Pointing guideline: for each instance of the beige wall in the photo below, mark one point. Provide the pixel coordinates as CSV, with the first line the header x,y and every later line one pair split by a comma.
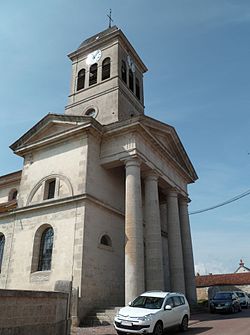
x,y
103,266
20,230
67,159
107,185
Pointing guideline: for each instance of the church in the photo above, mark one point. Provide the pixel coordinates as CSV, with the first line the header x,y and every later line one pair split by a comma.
x,y
102,198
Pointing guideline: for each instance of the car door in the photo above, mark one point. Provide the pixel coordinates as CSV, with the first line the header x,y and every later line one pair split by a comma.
x,y
169,317
179,308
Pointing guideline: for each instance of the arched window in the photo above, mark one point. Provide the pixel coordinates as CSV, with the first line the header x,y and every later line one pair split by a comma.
x,y
137,88
106,68
80,79
124,72
131,80
12,194
93,74
106,240
2,242
46,246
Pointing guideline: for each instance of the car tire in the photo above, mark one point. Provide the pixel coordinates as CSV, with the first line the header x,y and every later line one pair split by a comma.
x,y
158,329
184,324
119,332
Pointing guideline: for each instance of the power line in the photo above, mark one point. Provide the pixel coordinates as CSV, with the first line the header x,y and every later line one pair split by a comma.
x,y
237,197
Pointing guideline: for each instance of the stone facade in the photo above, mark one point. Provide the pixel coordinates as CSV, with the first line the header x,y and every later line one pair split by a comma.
x,y
31,312
119,202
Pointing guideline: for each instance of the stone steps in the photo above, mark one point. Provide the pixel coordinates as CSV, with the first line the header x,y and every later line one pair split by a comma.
x,y
101,317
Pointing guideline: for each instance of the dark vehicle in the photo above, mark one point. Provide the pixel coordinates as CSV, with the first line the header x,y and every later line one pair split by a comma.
x,y
225,302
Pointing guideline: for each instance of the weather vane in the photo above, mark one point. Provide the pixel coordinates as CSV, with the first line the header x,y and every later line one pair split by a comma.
x,y
110,18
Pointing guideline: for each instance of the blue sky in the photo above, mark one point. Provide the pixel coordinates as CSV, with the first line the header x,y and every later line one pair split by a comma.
x,y
197,53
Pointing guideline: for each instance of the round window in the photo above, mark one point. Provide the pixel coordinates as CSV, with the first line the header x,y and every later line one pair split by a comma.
x,y
91,112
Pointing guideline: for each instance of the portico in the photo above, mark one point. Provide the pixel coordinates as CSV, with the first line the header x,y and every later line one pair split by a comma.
x,y
143,247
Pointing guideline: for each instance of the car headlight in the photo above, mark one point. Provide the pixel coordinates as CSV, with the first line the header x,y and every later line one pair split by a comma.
x,y
147,317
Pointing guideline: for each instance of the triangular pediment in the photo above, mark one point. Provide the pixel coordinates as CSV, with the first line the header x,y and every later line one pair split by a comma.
x,y
50,126
169,141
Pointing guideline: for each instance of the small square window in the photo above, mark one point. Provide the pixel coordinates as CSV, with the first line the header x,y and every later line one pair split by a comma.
x,y
49,190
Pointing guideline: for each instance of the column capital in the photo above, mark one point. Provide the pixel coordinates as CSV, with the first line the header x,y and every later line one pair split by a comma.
x,y
184,201
173,192
133,161
150,175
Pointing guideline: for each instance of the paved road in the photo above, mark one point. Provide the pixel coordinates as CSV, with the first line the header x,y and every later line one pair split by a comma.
x,y
204,324
225,324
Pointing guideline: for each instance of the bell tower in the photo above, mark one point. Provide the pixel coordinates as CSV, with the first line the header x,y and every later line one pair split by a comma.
x,y
107,78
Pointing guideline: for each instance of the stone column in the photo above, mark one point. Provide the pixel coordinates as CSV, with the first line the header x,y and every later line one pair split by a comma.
x,y
153,239
187,252
165,258
177,280
134,246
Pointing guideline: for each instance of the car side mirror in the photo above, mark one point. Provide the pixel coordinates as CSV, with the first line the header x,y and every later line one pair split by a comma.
x,y
168,308
129,303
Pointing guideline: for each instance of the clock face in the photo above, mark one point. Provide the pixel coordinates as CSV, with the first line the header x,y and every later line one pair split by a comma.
x,y
93,57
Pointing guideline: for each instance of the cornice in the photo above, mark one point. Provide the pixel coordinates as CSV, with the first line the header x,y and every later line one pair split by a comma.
x,y
60,202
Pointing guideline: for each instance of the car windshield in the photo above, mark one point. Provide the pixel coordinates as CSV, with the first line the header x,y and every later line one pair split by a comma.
x,y
223,296
240,294
147,302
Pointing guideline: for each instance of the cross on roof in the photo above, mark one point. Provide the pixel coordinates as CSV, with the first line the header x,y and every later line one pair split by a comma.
x,y
110,18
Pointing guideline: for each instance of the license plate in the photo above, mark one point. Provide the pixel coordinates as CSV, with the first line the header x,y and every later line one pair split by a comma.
x,y
126,323
219,307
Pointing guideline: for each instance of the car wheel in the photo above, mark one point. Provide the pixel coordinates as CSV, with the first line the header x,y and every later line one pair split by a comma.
x,y
119,332
158,329
184,324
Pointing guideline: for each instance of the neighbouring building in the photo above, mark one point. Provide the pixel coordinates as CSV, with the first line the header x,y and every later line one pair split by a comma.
x,y
102,198
242,268
207,285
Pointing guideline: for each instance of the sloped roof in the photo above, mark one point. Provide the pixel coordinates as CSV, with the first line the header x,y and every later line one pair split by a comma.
x,y
66,122
223,279
242,268
10,177
97,36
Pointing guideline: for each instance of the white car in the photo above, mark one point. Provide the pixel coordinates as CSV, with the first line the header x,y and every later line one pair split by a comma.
x,y
244,299
152,312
